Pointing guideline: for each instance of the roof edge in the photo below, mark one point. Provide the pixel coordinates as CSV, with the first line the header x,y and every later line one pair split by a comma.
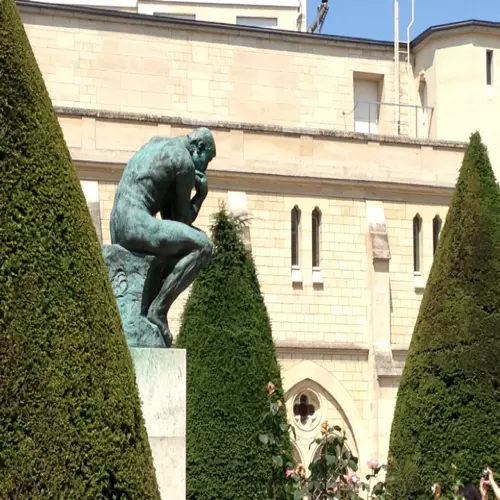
x,y
166,21
439,28
266,32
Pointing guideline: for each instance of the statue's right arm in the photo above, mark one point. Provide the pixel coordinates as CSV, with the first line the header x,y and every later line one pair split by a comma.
x,y
185,178
201,187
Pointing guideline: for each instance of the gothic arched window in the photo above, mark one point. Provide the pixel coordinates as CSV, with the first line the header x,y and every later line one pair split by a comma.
x,y
316,237
417,244
295,236
436,231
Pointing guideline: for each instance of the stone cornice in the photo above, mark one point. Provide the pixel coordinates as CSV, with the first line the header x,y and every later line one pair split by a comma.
x,y
257,128
343,188
400,348
344,347
331,347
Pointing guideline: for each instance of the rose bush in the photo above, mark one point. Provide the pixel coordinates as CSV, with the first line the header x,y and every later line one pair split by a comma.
x,y
334,475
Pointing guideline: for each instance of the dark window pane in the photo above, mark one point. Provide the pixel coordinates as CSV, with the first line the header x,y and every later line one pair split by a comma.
x,y
417,226
436,230
315,238
489,67
295,237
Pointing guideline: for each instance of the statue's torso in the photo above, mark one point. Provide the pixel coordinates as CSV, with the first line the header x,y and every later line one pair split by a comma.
x,y
149,180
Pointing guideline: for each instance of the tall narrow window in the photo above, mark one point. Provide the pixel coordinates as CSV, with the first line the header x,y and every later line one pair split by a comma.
x,y
417,243
436,230
295,235
316,234
489,67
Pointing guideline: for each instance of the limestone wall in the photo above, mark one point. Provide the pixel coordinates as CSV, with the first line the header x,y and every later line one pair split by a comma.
x,y
341,342
158,66
453,65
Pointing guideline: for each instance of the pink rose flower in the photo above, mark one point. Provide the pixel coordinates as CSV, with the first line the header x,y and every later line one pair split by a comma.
x,y
289,473
353,479
373,464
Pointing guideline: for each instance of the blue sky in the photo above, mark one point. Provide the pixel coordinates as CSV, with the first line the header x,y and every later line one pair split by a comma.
x,y
375,18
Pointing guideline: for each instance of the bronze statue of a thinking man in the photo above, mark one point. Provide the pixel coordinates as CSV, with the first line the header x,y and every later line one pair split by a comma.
x,y
160,178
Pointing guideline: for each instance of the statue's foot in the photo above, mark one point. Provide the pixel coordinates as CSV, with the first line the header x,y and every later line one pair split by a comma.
x,y
162,325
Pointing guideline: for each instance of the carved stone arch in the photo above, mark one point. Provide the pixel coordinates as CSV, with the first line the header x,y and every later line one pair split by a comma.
x,y
297,455
332,386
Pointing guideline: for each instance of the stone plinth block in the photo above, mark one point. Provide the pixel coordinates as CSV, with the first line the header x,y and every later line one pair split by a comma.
x,y
161,379
128,272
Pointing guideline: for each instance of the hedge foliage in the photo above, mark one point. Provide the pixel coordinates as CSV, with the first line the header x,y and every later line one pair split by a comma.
x,y
70,420
231,358
449,397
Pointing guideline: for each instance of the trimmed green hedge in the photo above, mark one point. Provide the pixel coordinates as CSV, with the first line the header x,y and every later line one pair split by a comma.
x,y
70,420
231,358
449,398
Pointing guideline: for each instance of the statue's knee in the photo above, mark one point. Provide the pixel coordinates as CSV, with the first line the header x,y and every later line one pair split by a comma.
x,y
207,251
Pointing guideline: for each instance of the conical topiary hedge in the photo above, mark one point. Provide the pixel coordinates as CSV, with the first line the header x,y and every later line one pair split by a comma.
x,y
231,358
449,397
70,420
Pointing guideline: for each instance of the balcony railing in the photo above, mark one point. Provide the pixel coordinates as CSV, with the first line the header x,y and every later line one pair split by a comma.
x,y
385,118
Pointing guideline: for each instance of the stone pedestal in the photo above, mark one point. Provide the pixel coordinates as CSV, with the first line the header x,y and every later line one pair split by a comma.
x,y
161,378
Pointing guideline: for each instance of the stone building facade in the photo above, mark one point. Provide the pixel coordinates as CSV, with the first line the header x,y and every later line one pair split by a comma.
x,y
344,166
271,14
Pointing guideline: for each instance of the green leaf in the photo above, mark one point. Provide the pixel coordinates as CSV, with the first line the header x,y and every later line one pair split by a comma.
x,y
352,465
264,438
278,461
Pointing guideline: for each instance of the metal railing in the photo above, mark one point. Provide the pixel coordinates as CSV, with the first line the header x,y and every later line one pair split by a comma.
x,y
377,117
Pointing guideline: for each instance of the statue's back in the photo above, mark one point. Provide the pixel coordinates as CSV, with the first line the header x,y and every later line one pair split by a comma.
x,y
145,180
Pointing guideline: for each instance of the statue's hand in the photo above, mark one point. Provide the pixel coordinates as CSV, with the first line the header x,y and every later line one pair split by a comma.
x,y
201,183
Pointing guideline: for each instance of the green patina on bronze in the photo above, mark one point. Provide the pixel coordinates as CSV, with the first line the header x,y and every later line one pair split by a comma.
x,y
152,261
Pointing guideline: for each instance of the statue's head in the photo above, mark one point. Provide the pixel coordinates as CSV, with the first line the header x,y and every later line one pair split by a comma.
x,y
201,146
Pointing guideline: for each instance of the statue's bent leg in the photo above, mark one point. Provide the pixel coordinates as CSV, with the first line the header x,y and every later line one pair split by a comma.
x,y
162,266
181,252
159,269
182,275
